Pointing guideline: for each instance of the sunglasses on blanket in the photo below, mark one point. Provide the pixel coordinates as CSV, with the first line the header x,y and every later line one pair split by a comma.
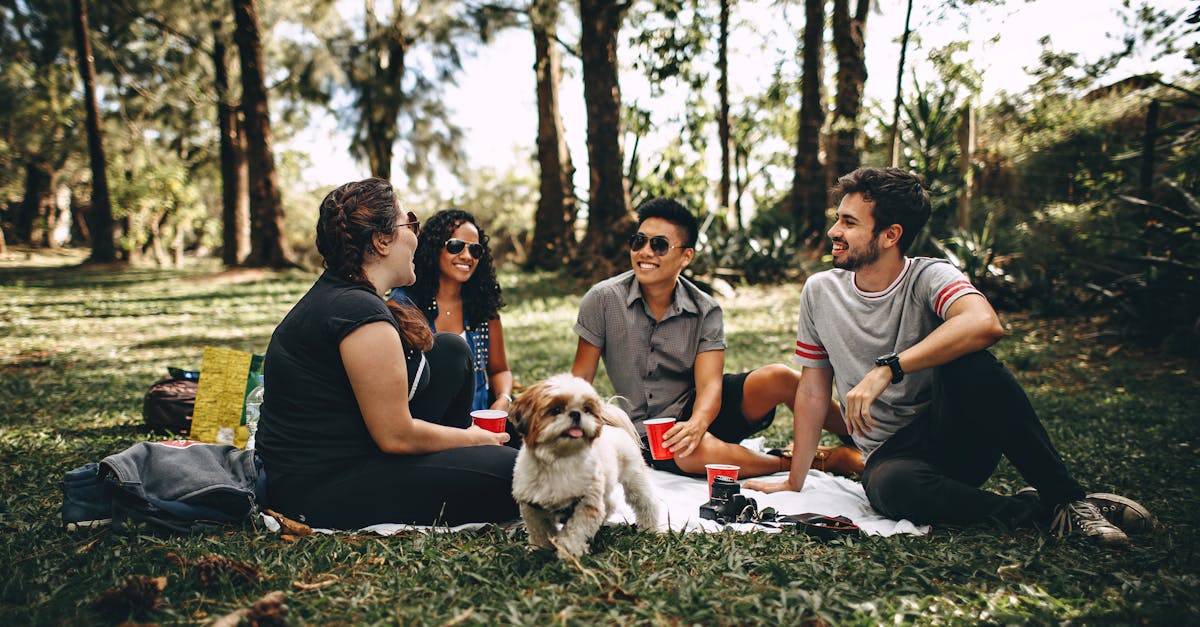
x,y
455,246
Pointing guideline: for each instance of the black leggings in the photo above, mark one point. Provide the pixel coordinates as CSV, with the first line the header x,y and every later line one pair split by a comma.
x,y
453,487
931,470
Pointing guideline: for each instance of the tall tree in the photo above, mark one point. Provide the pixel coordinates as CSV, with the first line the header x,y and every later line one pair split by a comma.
x,y
268,247
399,100
39,113
723,112
235,202
608,204
809,198
849,40
894,137
553,234
100,217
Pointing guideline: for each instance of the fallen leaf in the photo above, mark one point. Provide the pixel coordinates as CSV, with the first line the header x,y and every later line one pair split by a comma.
x,y
324,582
288,526
268,610
460,619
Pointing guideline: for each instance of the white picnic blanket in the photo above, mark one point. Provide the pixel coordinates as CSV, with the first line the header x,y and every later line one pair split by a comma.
x,y
680,499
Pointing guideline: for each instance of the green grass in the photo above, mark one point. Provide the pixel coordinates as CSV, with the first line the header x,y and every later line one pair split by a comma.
x,y
79,346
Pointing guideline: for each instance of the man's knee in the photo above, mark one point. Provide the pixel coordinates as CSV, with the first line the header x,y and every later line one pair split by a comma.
x,y
775,381
897,488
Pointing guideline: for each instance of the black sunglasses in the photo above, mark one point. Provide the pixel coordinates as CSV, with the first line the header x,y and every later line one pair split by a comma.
x,y
659,244
455,246
413,223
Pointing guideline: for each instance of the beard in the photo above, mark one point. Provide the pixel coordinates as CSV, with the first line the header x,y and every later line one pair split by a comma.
x,y
856,260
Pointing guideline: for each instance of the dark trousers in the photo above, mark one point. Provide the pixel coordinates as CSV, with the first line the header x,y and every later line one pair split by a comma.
x,y
451,390
451,487
930,471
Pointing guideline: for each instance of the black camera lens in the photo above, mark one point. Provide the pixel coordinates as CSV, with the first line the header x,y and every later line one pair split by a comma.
x,y
723,488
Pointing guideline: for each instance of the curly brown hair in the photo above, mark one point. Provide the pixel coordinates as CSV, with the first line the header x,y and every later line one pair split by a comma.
x,y
350,216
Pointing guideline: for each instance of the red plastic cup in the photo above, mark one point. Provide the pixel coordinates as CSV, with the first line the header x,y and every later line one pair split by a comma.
x,y
491,419
655,429
720,470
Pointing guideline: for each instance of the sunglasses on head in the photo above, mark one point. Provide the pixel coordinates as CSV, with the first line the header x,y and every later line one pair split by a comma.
x,y
455,246
659,244
413,223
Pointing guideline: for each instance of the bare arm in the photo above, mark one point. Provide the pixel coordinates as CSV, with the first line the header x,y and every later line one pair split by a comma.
x,y
587,360
374,361
971,325
500,378
811,406
684,437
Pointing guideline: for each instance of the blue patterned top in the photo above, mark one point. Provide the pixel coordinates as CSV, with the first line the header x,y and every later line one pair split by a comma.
x,y
478,339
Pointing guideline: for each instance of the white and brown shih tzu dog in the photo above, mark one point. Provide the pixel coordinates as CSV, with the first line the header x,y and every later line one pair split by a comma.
x,y
577,448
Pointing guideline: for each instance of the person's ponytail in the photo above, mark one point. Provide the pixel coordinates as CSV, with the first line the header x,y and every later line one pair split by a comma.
x,y
414,330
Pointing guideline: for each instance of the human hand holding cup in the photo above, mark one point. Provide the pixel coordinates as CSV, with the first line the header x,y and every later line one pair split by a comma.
x,y
490,419
656,428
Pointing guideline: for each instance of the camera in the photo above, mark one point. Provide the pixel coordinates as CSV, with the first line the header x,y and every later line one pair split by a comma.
x,y
727,503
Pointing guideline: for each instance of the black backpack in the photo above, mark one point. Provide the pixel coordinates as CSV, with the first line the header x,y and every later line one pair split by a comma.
x,y
169,403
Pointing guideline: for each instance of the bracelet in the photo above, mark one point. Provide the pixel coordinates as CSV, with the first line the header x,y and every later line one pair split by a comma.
x,y
505,395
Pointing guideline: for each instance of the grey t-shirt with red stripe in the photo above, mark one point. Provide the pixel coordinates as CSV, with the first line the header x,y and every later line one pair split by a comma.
x,y
846,328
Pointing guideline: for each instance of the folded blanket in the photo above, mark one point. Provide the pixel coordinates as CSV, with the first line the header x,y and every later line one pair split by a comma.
x,y
680,499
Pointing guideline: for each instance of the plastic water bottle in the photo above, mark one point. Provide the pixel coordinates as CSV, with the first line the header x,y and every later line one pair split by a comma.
x,y
253,403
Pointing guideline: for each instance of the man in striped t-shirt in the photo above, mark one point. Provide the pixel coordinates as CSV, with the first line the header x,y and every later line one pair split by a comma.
x,y
906,338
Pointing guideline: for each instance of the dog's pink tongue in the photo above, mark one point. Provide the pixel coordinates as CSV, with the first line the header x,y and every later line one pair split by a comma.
x,y
575,432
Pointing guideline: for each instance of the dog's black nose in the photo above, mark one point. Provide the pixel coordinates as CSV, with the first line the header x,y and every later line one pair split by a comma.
x,y
575,416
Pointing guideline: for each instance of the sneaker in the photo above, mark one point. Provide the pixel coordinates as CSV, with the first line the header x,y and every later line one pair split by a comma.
x,y
1125,513
1083,517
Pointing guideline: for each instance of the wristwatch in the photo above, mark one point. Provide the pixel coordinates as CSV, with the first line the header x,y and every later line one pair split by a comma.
x,y
892,360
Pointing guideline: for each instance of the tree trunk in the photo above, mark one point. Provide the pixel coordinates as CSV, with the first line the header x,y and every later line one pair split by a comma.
x,y
235,202
966,153
608,206
554,226
29,223
380,94
849,40
894,138
809,198
1148,140
268,247
103,248
723,114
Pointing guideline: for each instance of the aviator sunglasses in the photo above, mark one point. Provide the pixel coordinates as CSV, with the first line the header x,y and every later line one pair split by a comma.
x,y
659,244
455,246
413,223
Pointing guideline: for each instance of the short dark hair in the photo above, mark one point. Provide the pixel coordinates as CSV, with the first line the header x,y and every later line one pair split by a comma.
x,y
675,213
899,198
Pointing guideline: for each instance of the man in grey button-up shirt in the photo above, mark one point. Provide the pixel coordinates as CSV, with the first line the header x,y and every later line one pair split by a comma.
x,y
663,345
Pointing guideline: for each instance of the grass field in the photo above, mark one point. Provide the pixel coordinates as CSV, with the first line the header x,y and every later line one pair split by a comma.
x,y
79,346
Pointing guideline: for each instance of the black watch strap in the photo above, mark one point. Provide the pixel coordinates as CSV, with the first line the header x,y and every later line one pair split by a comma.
x,y
892,360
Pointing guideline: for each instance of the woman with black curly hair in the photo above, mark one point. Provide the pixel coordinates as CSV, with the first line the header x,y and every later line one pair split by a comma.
x,y
456,288
338,449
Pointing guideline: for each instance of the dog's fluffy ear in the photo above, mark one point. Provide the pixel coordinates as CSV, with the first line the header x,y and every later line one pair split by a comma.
x,y
523,407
